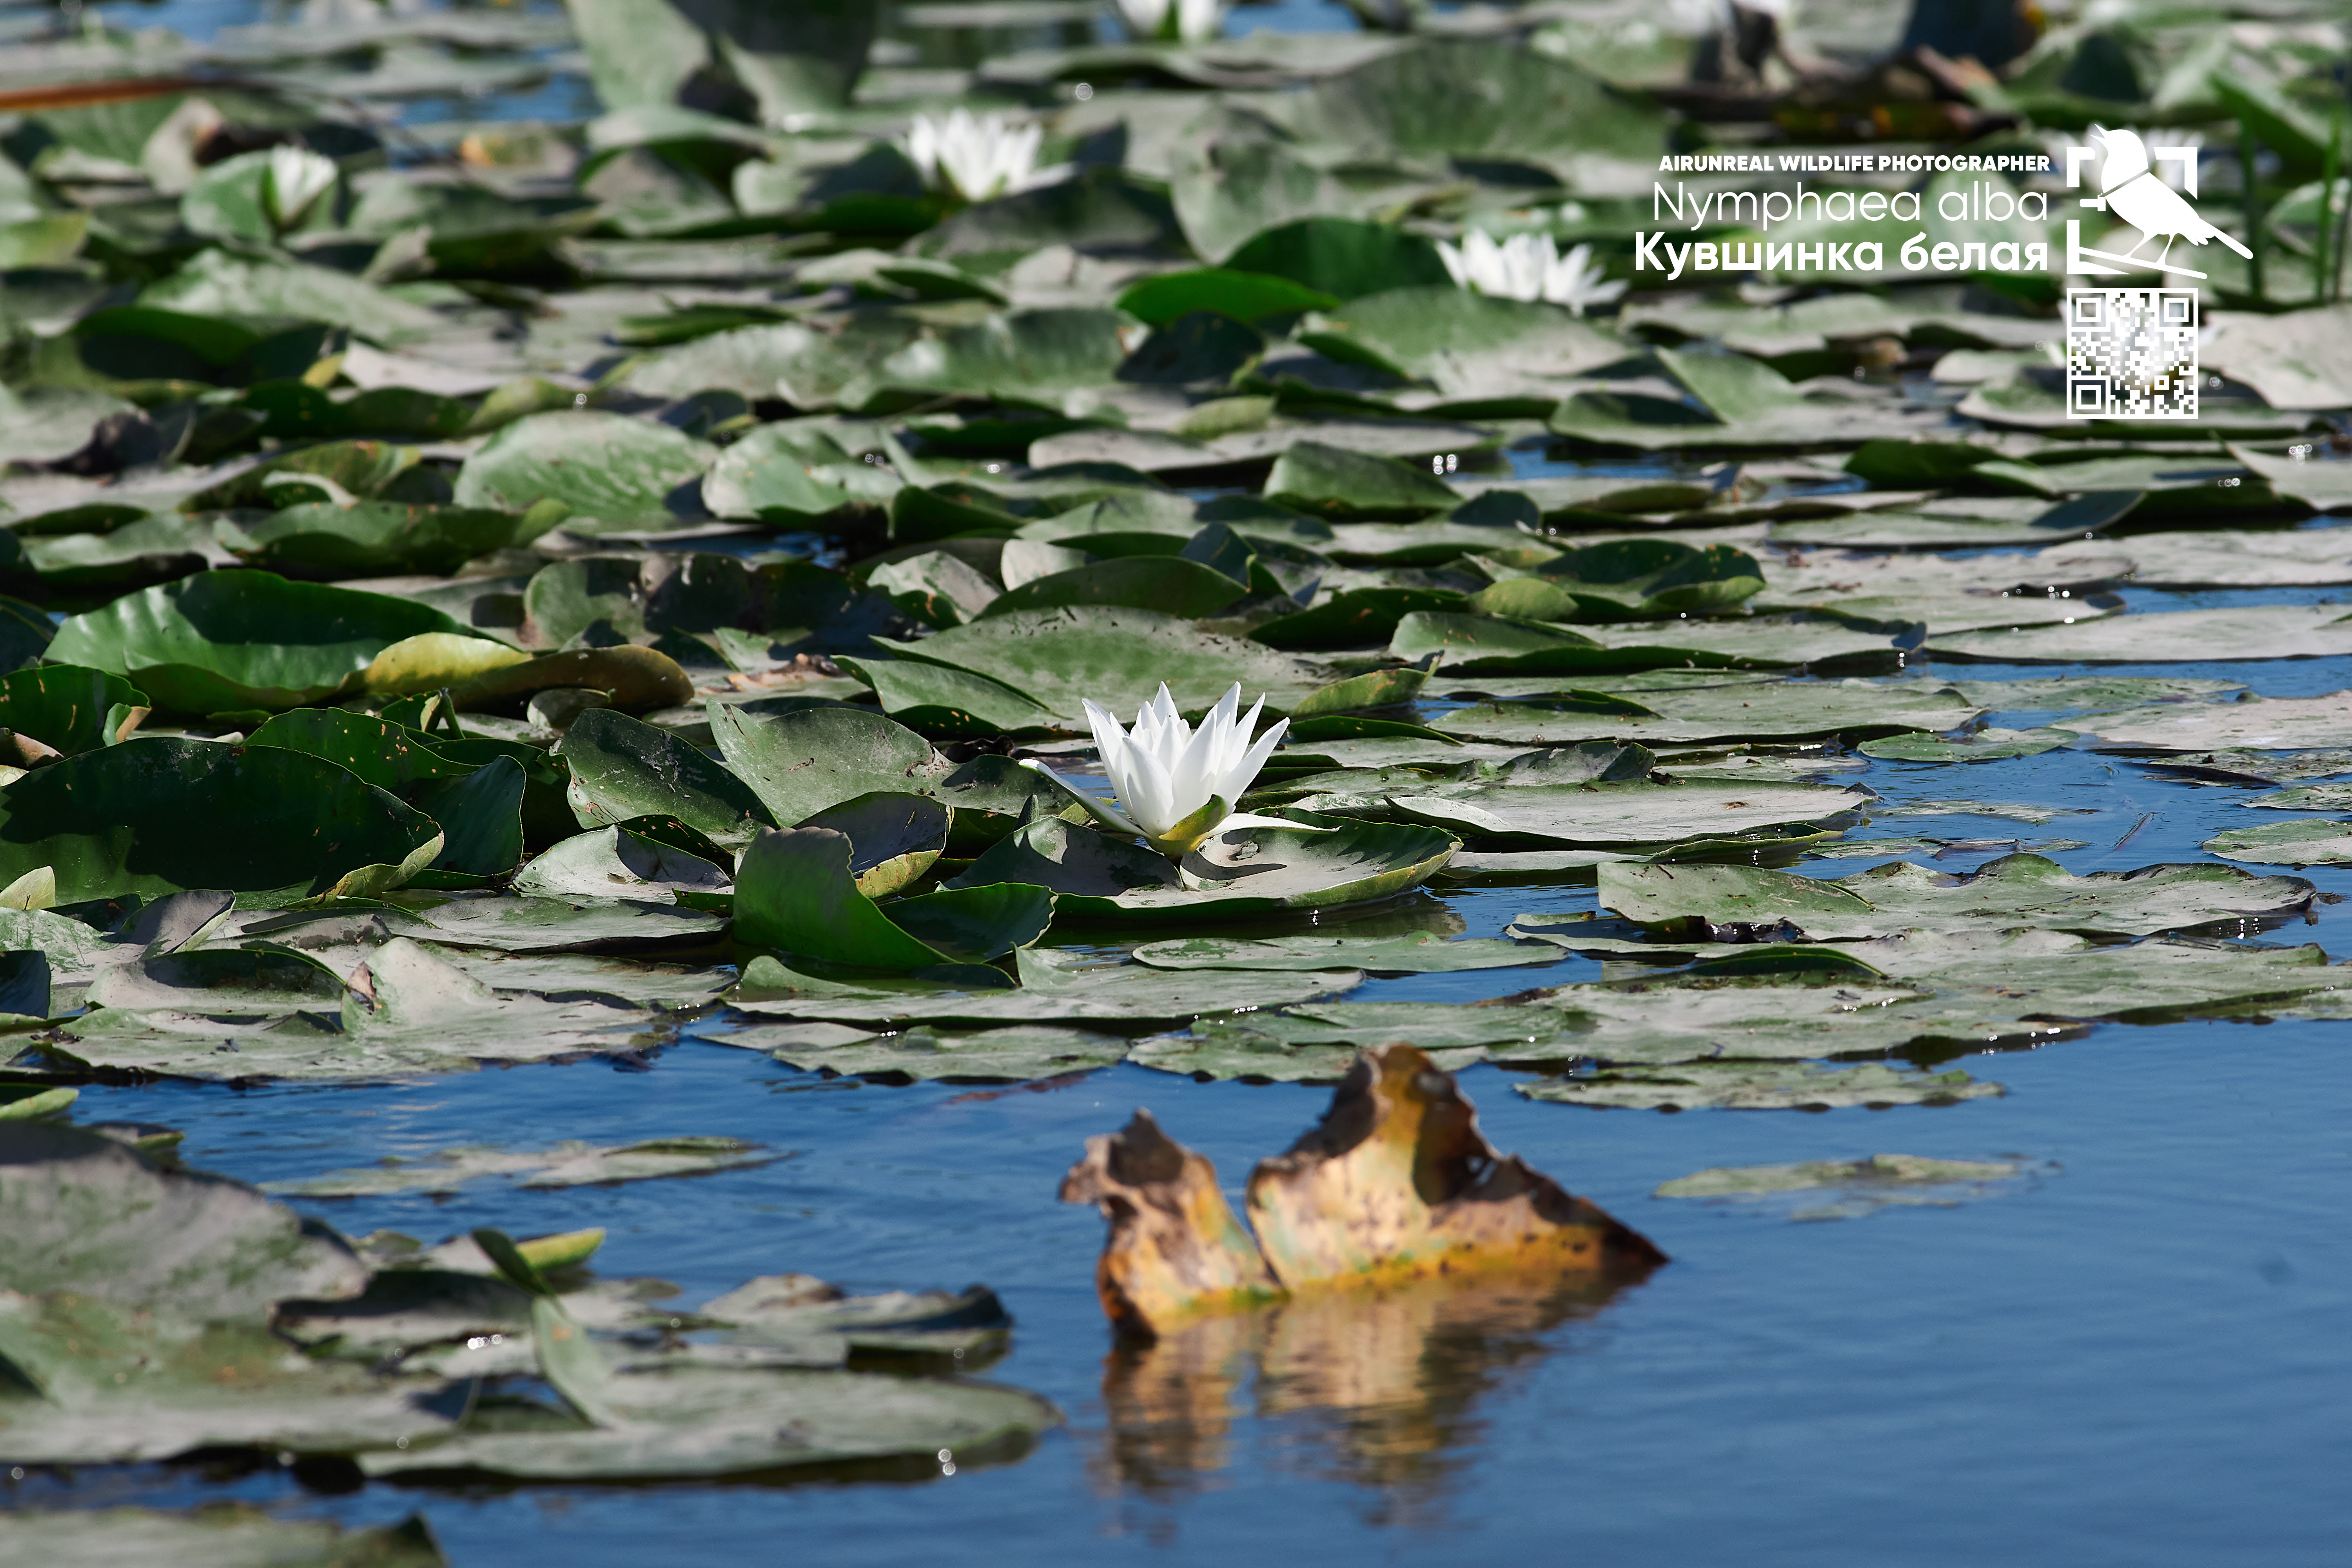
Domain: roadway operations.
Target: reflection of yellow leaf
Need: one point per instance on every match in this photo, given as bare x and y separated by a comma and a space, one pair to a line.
1397, 1183
1363, 1354
434, 660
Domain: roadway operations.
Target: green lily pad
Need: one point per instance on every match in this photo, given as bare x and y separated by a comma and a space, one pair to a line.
1242, 295
86, 1215
691, 1421
372, 538
1169, 584
1848, 1189
1631, 579
565, 1165
1334, 481
1024, 356
2013, 891
65, 707
2257, 724
1243, 871
1342, 257
613, 863
1473, 348
1757, 1086
795, 891
240, 639
1977, 746
1055, 987
799, 765
1792, 710
2306, 841
1017, 1054
623, 768
210, 1538
1418, 954
1317, 1043
1629, 815
115, 821
602, 467
1118, 658
2172, 637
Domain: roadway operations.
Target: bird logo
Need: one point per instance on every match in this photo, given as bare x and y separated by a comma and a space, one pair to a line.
2128, 189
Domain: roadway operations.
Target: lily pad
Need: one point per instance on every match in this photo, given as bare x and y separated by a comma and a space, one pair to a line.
795, 892
1977, 746
602, 467
1418, 954
1055, 987
86, 1215
615, 863
1016, 1054
1850, 1189
1757, 1086
239, 639
115, 821
622, 768
567, 1165
2257, 724
2306, 841
2013, 891
1242, 871
210, 1538
2171, 637
1628, 816
1118, 658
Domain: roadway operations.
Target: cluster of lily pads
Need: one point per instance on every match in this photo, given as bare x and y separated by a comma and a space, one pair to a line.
513, 591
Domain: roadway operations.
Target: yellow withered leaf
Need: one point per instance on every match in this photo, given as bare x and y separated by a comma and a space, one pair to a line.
1397, 1183
1174, 1245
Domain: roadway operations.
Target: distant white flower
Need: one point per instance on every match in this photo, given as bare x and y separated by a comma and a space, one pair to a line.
292, 185
976, 156
1174, 21
1177, 786
1529, 267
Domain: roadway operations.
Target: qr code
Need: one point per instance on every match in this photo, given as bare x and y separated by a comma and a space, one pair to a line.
2131, 353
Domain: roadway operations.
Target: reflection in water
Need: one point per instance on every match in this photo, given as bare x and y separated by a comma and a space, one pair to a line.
1375, 1386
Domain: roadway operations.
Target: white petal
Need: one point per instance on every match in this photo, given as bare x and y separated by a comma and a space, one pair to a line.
1454, 265
1237, 779
1252, 819
1093, 803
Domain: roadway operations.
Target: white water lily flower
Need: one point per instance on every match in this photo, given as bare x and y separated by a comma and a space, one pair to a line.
1177, 786
976, 156
293, 183
1174, 21
1529, 267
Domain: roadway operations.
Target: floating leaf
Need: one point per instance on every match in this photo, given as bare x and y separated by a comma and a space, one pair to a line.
2015, 889
1242, 871
1757, 1086
1849, 1188
599, 466
1418, 954
115, 821
567, 1165
1397, 1182
228, 640
795, 892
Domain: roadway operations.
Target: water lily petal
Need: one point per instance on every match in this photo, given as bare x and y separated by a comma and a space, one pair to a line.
1252, 819
1095, 806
